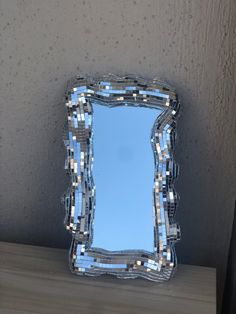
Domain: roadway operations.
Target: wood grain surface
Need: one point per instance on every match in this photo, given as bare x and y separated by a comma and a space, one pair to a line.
37, 280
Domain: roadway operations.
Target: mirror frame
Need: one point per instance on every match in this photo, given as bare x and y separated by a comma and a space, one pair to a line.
111, 90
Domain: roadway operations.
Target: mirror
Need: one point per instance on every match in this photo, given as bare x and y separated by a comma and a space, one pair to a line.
121, 201
123, 173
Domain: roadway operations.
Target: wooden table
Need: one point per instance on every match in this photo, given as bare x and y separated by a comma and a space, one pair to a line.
37, 280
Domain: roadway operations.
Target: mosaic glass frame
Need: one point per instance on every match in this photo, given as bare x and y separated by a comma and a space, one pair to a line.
111, 90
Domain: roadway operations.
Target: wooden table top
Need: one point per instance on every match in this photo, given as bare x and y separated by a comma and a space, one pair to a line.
37, 280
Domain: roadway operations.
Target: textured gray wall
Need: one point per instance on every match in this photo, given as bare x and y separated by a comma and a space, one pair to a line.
190, 44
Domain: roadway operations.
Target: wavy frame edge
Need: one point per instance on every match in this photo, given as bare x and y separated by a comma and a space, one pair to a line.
111, 90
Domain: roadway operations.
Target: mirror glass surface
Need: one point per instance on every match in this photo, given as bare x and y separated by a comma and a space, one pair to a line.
123, 172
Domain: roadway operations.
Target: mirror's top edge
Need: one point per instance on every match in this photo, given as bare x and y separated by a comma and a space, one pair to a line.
112, 88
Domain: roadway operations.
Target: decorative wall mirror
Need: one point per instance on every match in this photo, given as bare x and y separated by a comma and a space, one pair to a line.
119, 137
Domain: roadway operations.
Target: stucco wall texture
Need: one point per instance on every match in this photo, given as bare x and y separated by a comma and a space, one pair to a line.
189, 44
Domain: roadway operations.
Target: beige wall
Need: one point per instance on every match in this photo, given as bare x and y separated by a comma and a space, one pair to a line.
187, 43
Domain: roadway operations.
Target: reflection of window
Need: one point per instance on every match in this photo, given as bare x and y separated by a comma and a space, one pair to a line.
80, 199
